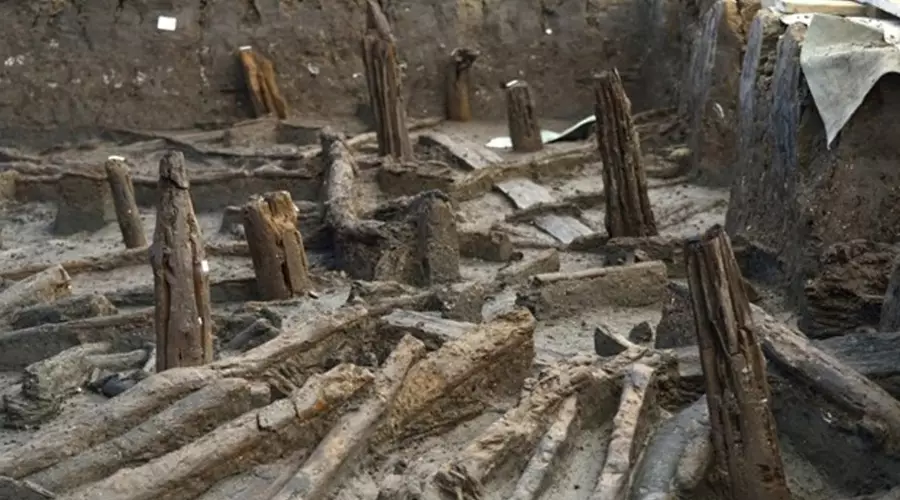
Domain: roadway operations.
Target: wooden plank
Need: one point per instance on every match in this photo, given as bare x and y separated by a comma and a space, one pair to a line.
833, 7
468, 155
564, 228
524, 193
888, 6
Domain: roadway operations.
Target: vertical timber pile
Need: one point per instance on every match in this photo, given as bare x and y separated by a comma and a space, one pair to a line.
459, 84
524, 129
276, 246
745, 442
119, 177
383, 80
262, 85
180, 273
628, 211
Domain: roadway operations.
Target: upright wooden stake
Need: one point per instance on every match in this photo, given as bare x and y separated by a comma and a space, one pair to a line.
180, 273
745, 442
459, 84
276, 247
524, 129
383, 79
119, 177
262, 84
628, 211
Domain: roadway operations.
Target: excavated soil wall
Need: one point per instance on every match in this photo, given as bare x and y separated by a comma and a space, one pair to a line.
71, 67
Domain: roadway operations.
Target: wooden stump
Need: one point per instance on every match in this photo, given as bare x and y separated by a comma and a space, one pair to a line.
524, 130
383, 80
259, 73
745, 442
180, 273
459, 84
119, 178
628, 211
84, 203
276, 246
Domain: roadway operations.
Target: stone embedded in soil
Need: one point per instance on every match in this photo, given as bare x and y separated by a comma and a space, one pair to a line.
607, 343
491, 246
641, 333
849, 288
78, 307
557, 295
463, 301
676, 327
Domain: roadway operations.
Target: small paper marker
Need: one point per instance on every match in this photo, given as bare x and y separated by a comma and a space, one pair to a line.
166, 23
204, 266
116, 158
244, 48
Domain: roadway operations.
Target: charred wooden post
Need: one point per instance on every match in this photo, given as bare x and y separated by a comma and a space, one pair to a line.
459, 84
276, 246
262, 84
628, 211
383, 79
745, 443
524, 130
119, 177
180, 273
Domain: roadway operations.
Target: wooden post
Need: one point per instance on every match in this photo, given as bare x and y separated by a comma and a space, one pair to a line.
276, 247
383, 80
119, 177
628, 211
745, 442
262, 84
180, 273
459, 84
524, 130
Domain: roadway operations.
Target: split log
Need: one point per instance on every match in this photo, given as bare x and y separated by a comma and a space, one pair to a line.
462, 153
459, 83
176, 426
60, 311
677, 457
383, 80
637, 410
524, 129
540, 263
259, 74
745, 440
119, 177
84, 203
51, 284
23, 490
62, 440
120, 361
628, 211
487, 362
276, 247
112, 260
520, 428
553, 446
351, 434
180, 273
294, 422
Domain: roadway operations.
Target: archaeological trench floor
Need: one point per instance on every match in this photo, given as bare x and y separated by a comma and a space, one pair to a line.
487, 388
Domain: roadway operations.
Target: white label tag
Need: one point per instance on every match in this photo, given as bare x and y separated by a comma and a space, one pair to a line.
166, 23
204, 266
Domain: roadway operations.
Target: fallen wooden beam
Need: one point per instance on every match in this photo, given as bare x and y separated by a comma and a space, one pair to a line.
677, 456
52, 283
350, 436
549, 452
193, 468
179, 424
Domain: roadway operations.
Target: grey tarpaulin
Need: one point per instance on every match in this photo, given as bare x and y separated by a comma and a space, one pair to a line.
842, 59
